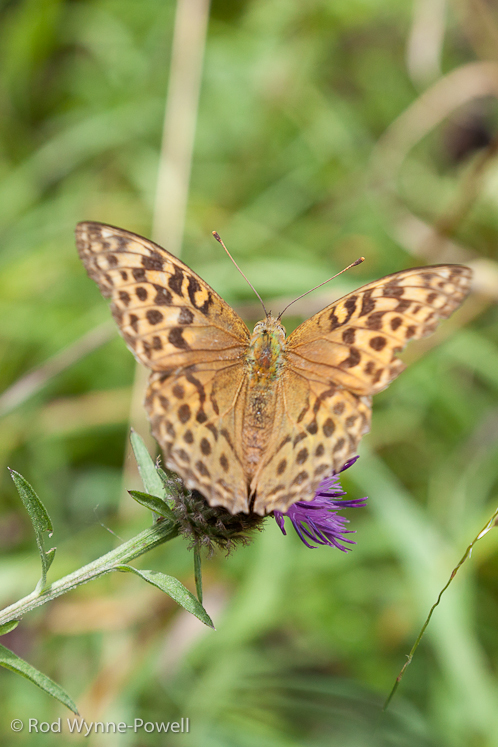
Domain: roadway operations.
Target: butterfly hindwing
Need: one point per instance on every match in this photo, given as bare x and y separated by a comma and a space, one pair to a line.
196, 416
323, 425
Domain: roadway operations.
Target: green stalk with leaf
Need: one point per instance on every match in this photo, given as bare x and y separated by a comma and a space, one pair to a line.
166, 526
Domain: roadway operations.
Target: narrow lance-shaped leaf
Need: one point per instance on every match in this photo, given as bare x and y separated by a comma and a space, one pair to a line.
41, 523
155, 504
174, 588
10, 660
151, 480
8, 627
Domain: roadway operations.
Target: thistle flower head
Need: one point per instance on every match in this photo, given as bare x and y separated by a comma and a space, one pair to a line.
318, 520
210, 527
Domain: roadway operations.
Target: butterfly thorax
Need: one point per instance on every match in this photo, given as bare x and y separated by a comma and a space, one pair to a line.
265, 361
265, 352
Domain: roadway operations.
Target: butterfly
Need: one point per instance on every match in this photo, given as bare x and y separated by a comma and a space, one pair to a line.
254, 422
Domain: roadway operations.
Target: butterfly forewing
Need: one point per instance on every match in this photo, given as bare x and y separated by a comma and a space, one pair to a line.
167, 314
354, 341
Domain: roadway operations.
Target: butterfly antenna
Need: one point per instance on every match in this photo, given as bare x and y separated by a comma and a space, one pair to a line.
218, 238
353, 264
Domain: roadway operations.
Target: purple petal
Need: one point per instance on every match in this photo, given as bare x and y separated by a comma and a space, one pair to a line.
318, 519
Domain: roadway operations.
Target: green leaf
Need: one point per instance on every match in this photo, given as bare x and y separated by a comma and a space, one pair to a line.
198, 572
151, 480
8, 626
41, 523
151, 501
174, 588
11, 661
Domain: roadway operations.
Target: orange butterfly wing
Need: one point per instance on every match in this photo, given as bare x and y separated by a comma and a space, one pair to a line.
335, 361
354, 341
195, 344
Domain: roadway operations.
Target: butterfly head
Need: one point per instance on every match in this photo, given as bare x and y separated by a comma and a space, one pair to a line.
270, 327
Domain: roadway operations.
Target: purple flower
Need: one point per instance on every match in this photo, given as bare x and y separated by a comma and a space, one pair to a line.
318, 519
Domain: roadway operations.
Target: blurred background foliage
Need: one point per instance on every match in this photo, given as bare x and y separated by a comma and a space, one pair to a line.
325, 130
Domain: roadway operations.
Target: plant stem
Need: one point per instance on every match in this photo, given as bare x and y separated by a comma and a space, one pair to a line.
162, 531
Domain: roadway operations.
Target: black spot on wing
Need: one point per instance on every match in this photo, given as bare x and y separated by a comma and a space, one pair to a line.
349, 335
374, 321
205, 447
367, 304
185, 316
138, 274
328, 427
334, 320
403, 306
154, 316
175, 337
184, 413
353, 358
153, 263
193, 288
175, 281
378, 343
350, 305
392, 290
163, 296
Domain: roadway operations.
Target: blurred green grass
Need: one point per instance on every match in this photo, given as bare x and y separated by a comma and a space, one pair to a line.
294, 99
